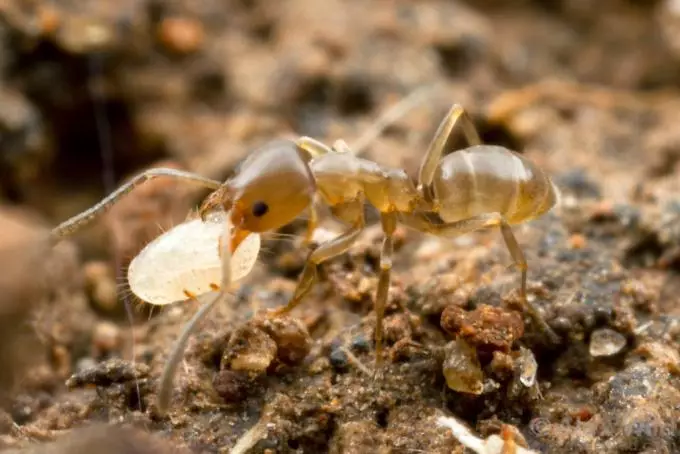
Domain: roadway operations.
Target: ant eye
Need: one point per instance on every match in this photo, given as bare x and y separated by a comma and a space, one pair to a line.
260, 209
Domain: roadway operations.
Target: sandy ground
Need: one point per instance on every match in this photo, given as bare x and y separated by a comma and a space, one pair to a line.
93, 92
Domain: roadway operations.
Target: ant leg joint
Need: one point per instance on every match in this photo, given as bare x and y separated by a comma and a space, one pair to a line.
324, 252
456, 115
314, 148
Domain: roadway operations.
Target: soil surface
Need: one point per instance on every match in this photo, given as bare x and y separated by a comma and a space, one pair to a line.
93, 92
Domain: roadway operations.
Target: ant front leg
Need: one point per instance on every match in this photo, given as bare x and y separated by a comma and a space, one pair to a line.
324, 252
170, 369
436, 148
79, 221
389, 225
464, 226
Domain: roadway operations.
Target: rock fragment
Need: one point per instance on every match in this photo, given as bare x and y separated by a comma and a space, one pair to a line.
250, 350
606, 342
487, 327
461, 368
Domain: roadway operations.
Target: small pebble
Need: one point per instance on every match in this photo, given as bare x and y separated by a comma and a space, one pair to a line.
461, 368
84, 364
181, 35
662, 355
101, 285
561, 324
292, 338
319, 365
49, 20
642, 429
528, 367
232, 386
580, 184
249, 349
602, 210
83, 34
23, 409
606, 342
397, 327
339, 359
577, 241
428, 249
62, 360
360, 344
502, 364
106, 337
603, 314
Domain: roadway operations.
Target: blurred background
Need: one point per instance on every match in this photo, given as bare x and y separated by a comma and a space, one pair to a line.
94, 91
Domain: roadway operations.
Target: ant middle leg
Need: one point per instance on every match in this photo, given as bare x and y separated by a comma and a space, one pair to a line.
312, 223
79, 221
456, 115
464, 226
520, 261
389, 224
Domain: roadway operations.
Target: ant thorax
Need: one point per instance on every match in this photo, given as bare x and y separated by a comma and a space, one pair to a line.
344, 177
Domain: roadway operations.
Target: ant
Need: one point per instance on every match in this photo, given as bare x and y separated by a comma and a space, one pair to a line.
477, 187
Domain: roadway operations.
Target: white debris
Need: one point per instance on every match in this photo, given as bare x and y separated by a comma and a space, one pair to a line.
492, 445
528, 367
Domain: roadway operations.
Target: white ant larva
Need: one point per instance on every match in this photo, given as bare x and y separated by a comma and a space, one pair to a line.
185, 262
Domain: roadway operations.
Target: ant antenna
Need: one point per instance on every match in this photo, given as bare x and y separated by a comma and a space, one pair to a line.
391, 115
165, 385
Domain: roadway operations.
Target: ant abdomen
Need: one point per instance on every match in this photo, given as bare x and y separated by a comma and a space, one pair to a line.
491, 179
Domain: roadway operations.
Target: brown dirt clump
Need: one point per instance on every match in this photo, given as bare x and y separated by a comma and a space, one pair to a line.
487, 327
93, 93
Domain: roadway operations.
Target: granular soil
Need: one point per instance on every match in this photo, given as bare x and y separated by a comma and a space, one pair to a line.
93, 92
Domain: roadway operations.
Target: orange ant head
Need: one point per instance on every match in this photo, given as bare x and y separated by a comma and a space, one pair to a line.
273, 186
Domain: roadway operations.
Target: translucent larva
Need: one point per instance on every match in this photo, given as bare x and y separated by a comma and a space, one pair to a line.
185, 261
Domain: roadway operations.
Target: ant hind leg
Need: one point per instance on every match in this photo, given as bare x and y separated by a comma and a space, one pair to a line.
456, 115
519, 259
314, 148
464, 226
391, 116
